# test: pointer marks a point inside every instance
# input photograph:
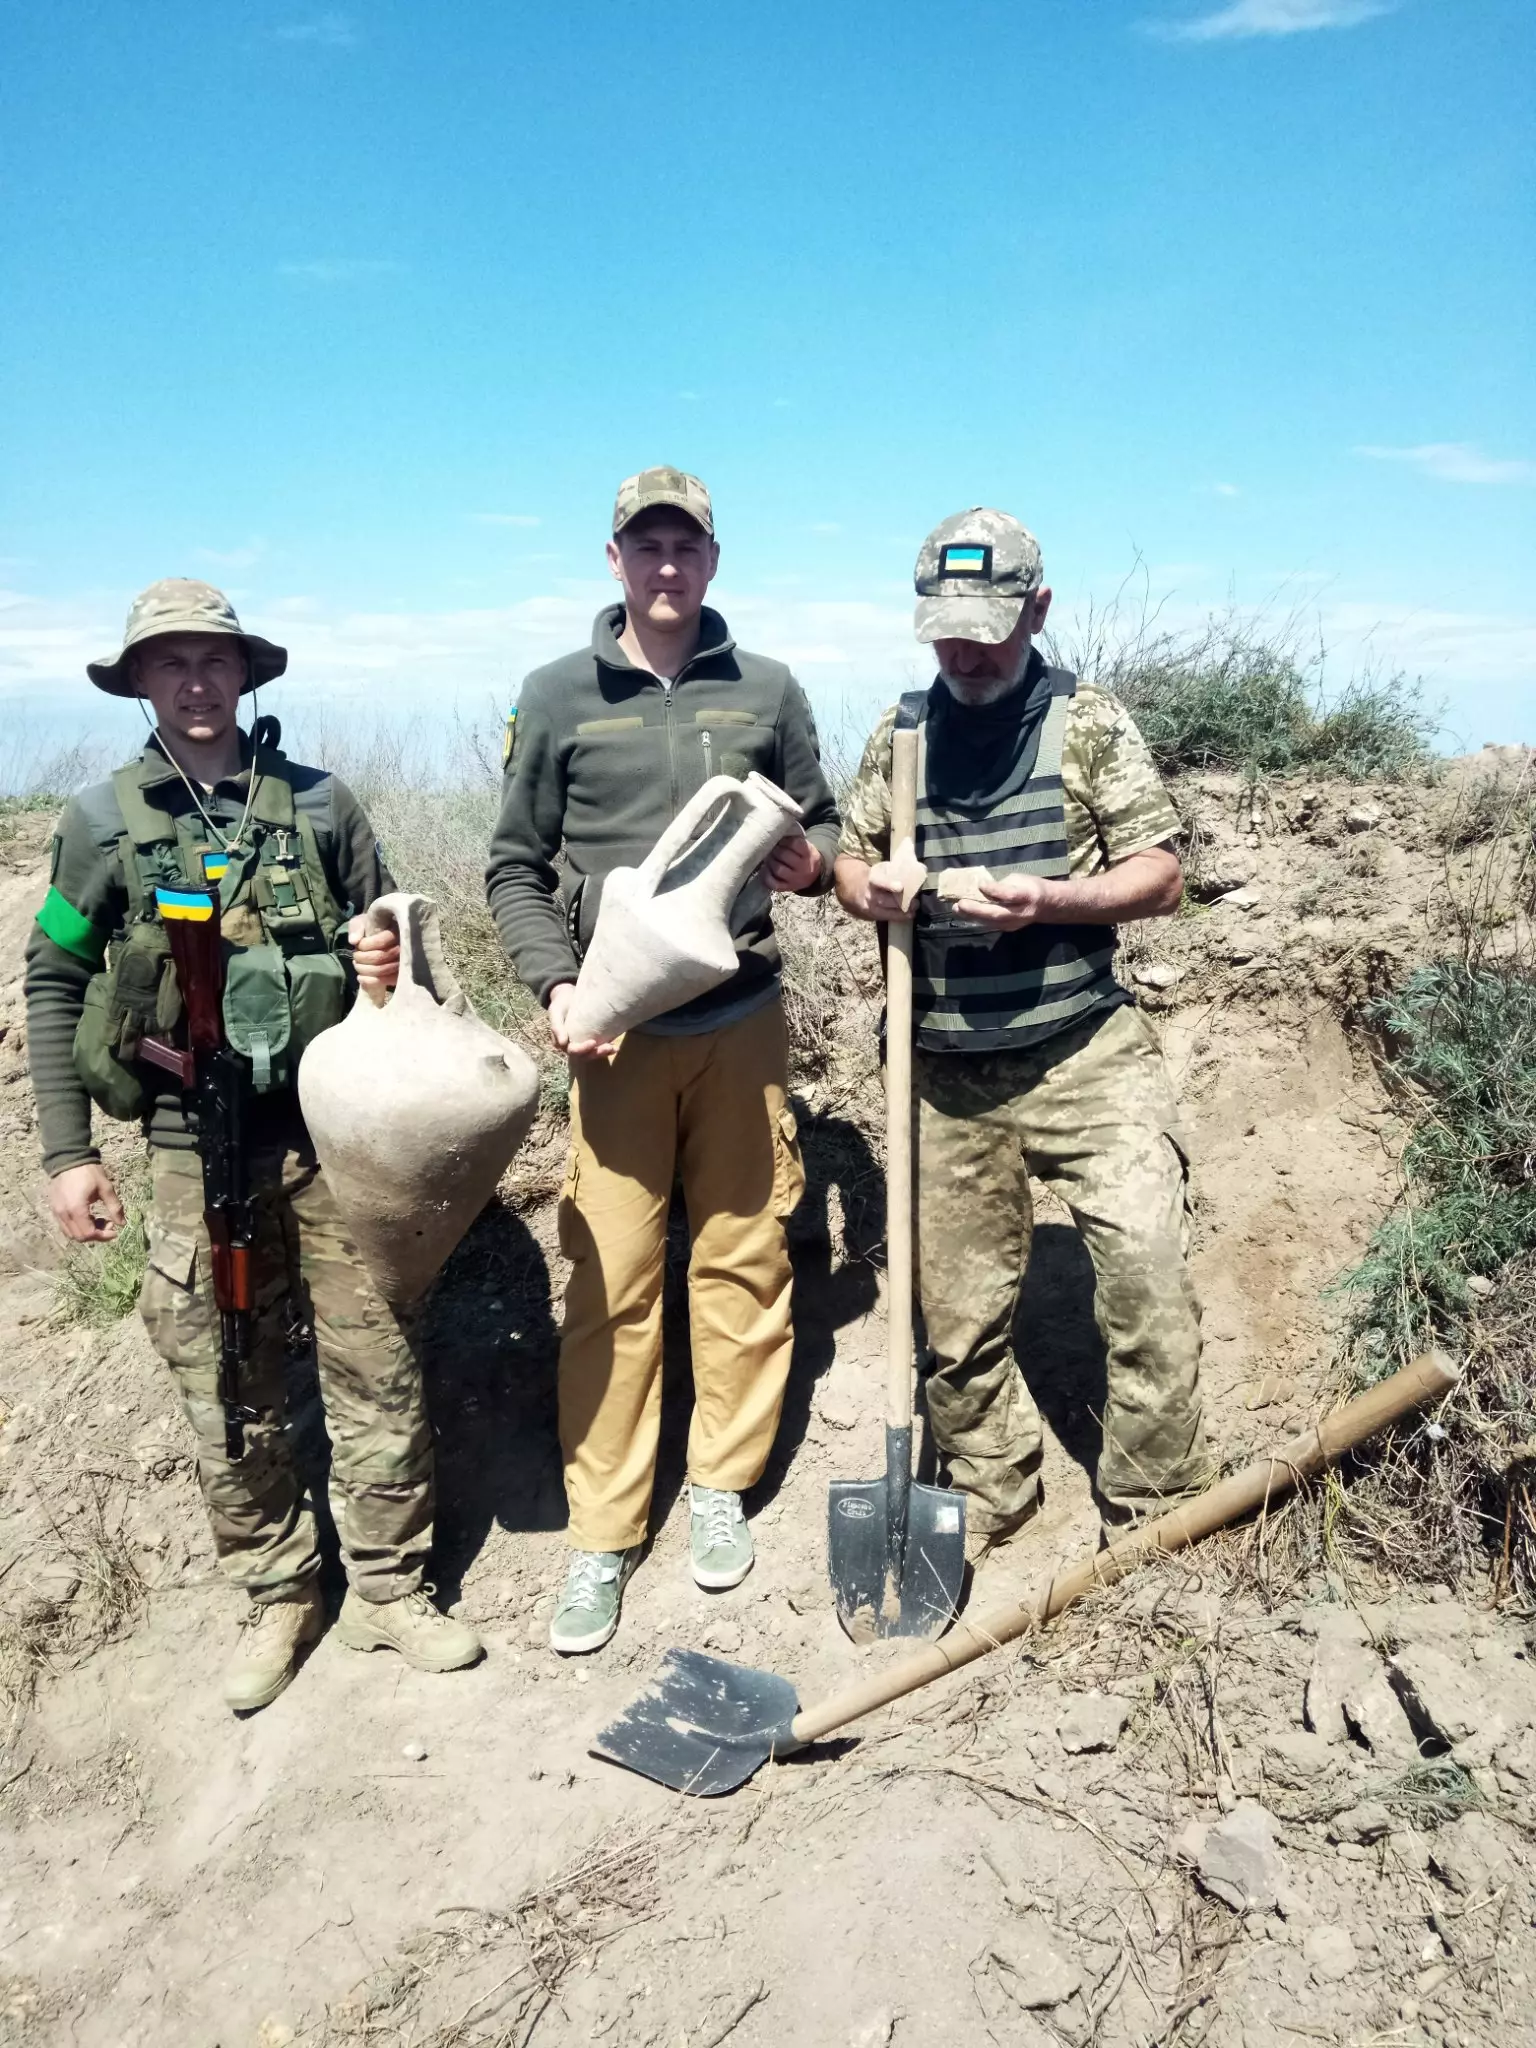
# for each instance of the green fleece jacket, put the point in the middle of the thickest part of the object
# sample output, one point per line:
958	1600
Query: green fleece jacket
602	758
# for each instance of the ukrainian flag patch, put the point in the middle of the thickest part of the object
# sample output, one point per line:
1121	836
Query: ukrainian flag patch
508	738
215	866
184	906
966	559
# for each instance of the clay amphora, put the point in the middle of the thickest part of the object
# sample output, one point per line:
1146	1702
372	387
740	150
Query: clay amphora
415	1109
663	933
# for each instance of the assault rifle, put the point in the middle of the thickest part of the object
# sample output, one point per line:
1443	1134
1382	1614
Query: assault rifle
214	1079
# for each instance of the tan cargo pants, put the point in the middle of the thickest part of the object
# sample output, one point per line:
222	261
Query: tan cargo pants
715	1105
370	1385
1091	1114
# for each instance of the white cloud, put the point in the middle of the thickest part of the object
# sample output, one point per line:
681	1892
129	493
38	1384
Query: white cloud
1457	462
234	558
1246	18
826	526
330	31
506	519
341	269
1220	490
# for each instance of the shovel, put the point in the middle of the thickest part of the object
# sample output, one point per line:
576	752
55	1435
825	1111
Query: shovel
705	1726
896	1550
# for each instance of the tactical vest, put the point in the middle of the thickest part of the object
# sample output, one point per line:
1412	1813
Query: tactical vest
980	991
283	982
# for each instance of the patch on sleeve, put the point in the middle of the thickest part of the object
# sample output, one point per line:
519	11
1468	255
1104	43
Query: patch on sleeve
509	740
71	932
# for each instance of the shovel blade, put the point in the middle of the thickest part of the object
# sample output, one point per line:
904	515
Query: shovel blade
703	1726
874	1597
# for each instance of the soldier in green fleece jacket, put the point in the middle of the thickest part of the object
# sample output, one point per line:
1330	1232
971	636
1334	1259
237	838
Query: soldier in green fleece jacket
604	749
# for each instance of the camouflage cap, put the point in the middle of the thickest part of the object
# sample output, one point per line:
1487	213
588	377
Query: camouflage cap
674	487
973	573
178	605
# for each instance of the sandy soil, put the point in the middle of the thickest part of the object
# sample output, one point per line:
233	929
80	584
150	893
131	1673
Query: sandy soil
392	1858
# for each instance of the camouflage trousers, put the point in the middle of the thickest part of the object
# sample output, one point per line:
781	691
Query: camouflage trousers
1092	1115
370	1384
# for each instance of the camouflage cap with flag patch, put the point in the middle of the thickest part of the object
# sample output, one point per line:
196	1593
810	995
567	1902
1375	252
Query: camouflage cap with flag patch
673	487
973	575
178	604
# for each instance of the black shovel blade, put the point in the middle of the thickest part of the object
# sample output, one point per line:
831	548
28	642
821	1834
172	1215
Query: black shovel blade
704	1726
892	1580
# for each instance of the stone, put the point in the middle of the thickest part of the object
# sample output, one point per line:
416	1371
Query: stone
1472	1711
1363	818
877	2031
1157	974
1239	1863
1241	898
1365	1823
1347	1691
1295	1757
415	1107
663	932
1189	1843
1051	1785
1328	1953
414	1751
1033	1971
1092	1721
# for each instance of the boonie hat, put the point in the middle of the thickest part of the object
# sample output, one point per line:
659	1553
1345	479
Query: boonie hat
674	487
973	574
177	604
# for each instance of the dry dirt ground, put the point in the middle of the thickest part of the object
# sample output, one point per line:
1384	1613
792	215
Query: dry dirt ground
1032	1852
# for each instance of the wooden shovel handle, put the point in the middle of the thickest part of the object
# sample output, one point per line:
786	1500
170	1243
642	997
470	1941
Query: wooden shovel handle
898	1102
1260	1484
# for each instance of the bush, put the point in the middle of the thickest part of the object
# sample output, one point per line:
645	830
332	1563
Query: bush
97	1285
1235	695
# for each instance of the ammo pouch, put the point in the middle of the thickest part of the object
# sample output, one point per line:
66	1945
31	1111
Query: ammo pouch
274	1005
133	997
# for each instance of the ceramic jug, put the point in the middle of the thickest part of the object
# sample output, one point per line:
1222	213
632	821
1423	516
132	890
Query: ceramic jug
415	1107
663	932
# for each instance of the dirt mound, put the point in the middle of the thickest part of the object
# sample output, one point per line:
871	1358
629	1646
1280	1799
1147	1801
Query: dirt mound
1240	1804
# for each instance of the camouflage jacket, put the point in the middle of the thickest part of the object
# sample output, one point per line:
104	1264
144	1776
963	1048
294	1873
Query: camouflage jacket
1113	797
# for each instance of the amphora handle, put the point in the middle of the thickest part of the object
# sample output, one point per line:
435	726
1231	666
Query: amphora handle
425	976
702	812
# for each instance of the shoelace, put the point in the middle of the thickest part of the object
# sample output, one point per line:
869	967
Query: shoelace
719	1519
588	1572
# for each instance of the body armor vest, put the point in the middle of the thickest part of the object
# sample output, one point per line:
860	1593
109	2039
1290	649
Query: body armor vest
284	983
980	991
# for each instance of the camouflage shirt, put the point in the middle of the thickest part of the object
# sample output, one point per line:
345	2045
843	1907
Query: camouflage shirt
1113	797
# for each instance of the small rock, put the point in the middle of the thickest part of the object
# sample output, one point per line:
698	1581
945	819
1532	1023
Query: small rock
1363	818
1239	1862
55	1585
877	2031
1240	953
414	1751
1188	1844
1295	1757
1431	1979
1033	1971
1241	899
1366	1822
1479	1286
1329	1954
273	2033
1157	974
1470	1857
1051	1785
1093	1721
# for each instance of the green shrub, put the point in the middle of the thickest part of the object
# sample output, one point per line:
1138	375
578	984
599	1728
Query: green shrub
1237	695
1462	1039
96	1285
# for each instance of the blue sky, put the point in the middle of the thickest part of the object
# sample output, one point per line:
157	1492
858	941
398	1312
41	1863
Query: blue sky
363	313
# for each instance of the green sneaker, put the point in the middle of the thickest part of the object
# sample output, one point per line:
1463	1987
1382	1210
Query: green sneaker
719	1538
588	1612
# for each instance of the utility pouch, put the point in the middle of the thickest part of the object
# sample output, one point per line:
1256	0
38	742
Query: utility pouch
258	1019
116	1088
317	996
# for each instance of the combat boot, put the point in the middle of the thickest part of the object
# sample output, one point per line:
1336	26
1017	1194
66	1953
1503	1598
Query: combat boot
272	1641
422	1633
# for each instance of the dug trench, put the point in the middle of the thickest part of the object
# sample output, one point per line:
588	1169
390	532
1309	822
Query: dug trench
1255	1795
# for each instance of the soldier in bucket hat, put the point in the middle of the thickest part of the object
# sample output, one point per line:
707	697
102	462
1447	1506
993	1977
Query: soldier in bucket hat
296	863
1043	824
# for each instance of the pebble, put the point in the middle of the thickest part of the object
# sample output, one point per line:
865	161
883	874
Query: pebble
1329	1953
414	1751
1093	1721
1158	974
1363	818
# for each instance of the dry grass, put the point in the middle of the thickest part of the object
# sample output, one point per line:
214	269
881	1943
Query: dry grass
85	1590
517	1958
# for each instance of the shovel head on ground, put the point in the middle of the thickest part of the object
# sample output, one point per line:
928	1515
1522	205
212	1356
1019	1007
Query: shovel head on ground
704	1726
896	1550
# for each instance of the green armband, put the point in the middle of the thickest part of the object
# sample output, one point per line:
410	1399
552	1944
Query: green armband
70	931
